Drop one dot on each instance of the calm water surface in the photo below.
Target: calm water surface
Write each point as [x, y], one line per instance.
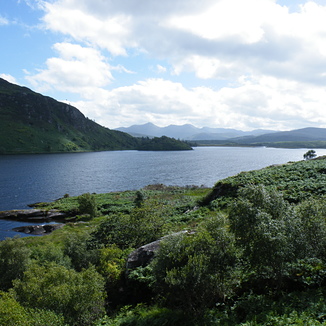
[27, 179]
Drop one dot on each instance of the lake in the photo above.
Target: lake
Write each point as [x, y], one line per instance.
[26, 179]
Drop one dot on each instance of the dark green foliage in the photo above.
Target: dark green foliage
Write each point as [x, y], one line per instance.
[139, 200]
[79, 297]
[143, 315]
[14, 259]
[162, 144]
[79, 251]
[309, 155]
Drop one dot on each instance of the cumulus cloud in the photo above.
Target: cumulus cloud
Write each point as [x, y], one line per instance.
[271, 58]
[75, 69]
[268, 102]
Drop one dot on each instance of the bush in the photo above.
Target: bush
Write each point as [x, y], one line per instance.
[81, 254]
[260, 221]
[14, 314]
[142, 226]
[14, 259]
[87, 204]
[79, 297]
[193, 272]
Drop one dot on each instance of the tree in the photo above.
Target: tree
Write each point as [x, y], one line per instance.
[309, 155]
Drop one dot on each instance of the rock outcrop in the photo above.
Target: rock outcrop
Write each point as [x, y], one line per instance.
[143, 255]
[33, 215]
[38, 229]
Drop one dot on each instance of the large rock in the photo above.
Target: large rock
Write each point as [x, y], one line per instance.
[38, 229]
[145, 254]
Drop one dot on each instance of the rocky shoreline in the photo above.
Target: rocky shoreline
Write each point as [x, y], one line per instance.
[35, 215]
[39, 229]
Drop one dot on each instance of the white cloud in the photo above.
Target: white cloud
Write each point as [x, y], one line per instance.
[268, 103]
[160, 69]
[9, 78]
[76, 69]
[4, 21]
[272, 61]
[110, 33]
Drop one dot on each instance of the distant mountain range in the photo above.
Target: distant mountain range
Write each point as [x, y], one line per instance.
[189, 132]
[306, 137]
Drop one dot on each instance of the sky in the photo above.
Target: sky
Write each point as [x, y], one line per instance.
[254, 64]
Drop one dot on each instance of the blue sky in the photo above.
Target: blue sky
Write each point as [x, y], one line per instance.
[217, 63]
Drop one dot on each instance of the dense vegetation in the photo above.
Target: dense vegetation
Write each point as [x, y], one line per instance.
[250, 251]
[33, 123]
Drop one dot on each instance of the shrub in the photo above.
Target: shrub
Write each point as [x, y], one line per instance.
[87, 204]
[13, 313]
[79, 297]
[14, 259]
[195, 271]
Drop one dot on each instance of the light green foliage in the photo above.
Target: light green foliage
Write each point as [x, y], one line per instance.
[79, 297]
[87, 204]
[13, 313]
[14, 259]
[195, 271]
[50, 253]
[112, 263]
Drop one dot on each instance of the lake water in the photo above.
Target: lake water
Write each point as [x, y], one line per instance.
[27, 179]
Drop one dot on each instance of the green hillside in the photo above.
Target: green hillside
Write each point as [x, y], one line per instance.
[33, 123]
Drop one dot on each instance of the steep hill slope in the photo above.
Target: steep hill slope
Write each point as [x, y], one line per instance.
[33, 123]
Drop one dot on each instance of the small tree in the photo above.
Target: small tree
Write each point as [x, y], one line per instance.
[310, 154]
[87, 204]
